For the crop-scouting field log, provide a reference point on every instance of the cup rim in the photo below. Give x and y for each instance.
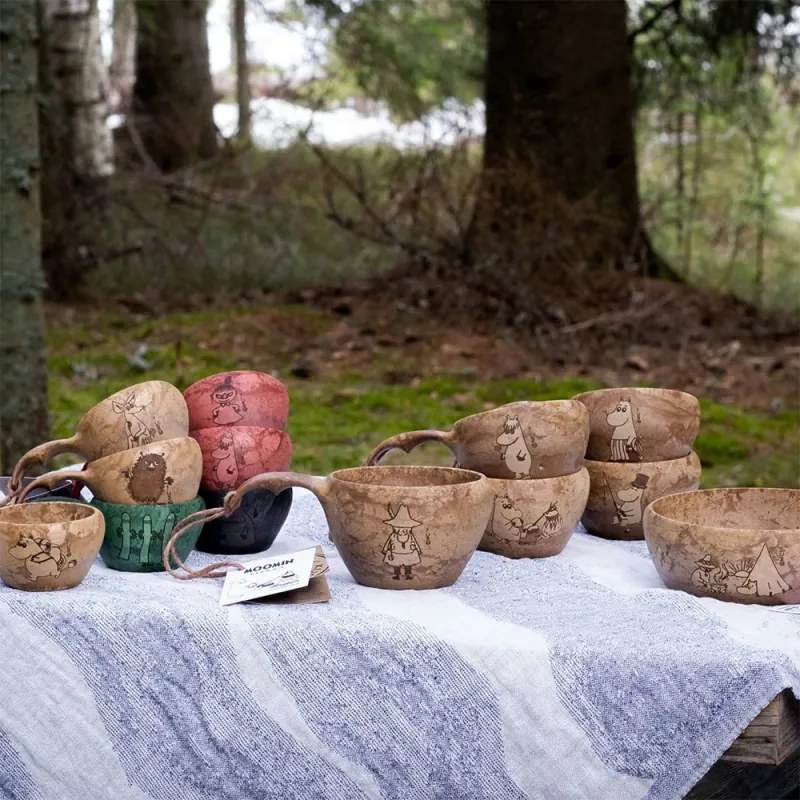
(505, 406)
(651, 390)
(140, 448)
(666, 461)
(537, 480)
(88, 510)
(652, 509)
(220, 429)
(467, 476)
(277, 382)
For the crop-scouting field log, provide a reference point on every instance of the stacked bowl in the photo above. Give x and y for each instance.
(238, 420)
(640, 449)
(143, 470)
(531, 454)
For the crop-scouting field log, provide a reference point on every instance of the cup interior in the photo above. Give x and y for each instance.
(45, 513)
(406, 476)
(734, 509)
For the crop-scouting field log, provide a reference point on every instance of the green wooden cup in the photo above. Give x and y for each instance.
(136, 534)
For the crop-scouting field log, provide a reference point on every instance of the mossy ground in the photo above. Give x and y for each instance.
(349, 404)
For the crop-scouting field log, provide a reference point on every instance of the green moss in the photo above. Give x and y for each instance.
(335, 423)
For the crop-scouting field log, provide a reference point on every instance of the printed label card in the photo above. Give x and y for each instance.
(263, 577)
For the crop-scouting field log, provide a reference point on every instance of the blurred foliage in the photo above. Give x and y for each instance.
(410, 54)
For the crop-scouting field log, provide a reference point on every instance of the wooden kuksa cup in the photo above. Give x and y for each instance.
(238, 398)
(162, 472)
(741, 545)
(518, 440)
(138, 415)
(48, 546)
(620, 491)
(232, 455)
(395, 527)
(640, 424)
(534, 518)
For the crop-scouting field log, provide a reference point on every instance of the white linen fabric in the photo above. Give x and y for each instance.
(577, 676)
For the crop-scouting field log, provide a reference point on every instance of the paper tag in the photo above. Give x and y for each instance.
(262, 577)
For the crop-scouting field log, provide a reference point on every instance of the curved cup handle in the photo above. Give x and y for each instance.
(41, 455)
(406, 442)
(273, 481)
(48, 481)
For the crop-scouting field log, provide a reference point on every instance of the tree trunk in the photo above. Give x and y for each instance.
(173, 99)
(242, 70)
(122, 72)
(23, 403)
(77, 74)
(76, 144)
(559, 158)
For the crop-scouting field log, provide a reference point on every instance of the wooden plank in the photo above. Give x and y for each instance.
(772, 736)
(726, 781)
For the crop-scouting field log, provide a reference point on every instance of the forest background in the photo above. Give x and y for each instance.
(409, 210)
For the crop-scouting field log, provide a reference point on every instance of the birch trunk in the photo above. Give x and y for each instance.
(122, 72)
(173, 99)
(77, 76)
(242, 69)
(23, 401)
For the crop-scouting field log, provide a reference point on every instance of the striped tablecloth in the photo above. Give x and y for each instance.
(578, 676)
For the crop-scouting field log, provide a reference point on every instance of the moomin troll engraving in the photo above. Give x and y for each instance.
(225, 468)
(758, 577)
(137, 431)
(230, 406)
(42, 558)
(625, 443)
(507, 521)
(628, 502)
(147, 478)
(513, 448)
(401, 550)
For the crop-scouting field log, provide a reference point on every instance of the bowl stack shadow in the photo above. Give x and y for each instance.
(640, 449)
(238, 419)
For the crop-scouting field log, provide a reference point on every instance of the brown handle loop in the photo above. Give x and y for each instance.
(48, 481)
(41, 455)
(209, 571)
(273, 481)
(407, 442)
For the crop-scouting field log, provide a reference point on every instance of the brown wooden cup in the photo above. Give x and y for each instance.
(620, 491)
(238, 398)
(633, 424)
(741, 545)
(515, 441)
(395, 527)
(232, 455)
(147, 412)
(48, 546)
(161, 472)
(534, 518)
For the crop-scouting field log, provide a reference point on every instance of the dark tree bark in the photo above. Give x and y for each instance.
(23, 402)
(173, 98)
(559, 128)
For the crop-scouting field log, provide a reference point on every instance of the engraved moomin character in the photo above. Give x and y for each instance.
(42, 558)
(628, 503)
(225, 467)
(513, 448)
(401, 550)
(230, 406)
(625, 444)
(507, 521)
(137, 431)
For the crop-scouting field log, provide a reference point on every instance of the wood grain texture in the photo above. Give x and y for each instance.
(772, 737)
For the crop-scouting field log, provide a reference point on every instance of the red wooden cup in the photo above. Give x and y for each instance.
(240, 398)
(232, 455)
